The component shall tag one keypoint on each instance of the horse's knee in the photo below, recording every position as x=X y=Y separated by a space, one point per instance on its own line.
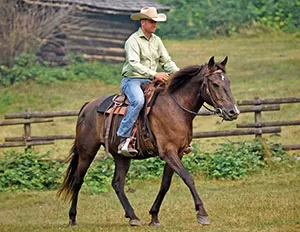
x=165 y=186
x=187 y=178
x=116 y=186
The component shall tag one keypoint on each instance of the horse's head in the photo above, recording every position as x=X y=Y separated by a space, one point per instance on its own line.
x=215 y=90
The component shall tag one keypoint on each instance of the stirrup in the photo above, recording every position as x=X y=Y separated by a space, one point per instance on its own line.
x=188 y=149
x=126 y=149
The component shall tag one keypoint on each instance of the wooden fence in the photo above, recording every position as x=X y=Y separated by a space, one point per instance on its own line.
x=256 y=106
x=258 y=128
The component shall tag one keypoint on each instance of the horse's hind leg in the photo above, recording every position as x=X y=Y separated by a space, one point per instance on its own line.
x=85 y=158
x=165 y=185
x=118 y=183
x=78 y=181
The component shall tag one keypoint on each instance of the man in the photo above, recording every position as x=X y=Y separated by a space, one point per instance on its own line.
x=144 y=52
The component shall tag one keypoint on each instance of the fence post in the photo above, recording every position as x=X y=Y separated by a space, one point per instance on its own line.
x=257 y=116
x=27 y=129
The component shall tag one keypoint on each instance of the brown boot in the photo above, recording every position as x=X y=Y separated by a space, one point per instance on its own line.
x=126 y=148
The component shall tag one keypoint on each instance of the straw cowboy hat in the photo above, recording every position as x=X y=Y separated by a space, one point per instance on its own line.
x=149 y=13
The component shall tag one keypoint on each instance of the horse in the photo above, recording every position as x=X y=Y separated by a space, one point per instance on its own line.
x=170 y=120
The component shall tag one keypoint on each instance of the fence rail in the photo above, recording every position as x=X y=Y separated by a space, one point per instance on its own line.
x=258 y=128
x=223 y=133
x=38 y=138
x=269 y=124
x=259 y=101
x=29 y=121
x=29 y=114
x=256 y=106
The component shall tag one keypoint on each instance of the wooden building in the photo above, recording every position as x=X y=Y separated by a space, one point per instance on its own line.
x=97 y=29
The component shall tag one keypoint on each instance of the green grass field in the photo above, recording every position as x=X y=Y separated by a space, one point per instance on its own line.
x=266 y=66
x=266 y=201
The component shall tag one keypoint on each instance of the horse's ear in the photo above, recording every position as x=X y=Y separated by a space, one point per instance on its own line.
x=224 y=62
x=211 y=62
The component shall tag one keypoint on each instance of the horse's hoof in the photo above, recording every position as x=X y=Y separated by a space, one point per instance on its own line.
x=135 y=222
x=72 y=223
x=203 y=220
x=154 y=224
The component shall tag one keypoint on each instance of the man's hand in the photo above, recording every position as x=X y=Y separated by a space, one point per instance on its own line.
x=161 y=76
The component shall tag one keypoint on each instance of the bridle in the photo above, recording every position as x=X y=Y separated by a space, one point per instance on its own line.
x=212 y=112
x=215 y=111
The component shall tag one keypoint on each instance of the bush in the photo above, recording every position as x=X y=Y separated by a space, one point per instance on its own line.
x=193 y=18
x=233 y=160
x=30 y=171
x=27 y=67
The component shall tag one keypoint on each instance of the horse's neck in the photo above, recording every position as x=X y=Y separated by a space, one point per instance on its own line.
x=190 y=96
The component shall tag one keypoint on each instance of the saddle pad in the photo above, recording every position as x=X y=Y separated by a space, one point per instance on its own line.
x=105 y=104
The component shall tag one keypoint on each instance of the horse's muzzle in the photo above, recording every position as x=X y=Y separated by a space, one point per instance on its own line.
x=229 y=114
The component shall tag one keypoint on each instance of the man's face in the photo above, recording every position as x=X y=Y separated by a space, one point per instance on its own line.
x=149 y=25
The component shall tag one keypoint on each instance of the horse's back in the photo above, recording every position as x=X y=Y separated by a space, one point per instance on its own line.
x=88 y=115
x=93 y=106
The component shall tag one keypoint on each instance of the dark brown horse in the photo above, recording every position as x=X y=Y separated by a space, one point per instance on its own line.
x=171 y=120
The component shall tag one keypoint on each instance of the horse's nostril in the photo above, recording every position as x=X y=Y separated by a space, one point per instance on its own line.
x=232 y=112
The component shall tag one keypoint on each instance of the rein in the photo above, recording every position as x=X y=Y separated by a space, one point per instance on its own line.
x=212 y=112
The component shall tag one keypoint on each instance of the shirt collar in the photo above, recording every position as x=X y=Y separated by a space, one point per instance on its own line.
x=141 y=34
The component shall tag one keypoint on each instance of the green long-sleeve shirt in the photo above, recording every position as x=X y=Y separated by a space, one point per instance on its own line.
x=143 y=56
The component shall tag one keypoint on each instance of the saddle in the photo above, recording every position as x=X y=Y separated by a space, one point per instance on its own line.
x=115 y=107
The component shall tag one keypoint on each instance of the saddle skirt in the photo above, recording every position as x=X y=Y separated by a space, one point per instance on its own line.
x=115 y=107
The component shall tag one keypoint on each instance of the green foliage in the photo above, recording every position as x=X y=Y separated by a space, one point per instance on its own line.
x=233 y=160
x=27 y=67
x=6 y=99
x=99 y=176
x=193 y=18
x=30 y=171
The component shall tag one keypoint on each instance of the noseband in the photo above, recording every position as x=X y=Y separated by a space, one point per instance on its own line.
x=215 y=111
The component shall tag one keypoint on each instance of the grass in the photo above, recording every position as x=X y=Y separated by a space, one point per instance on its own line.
x=266 y=201
x=265 y=66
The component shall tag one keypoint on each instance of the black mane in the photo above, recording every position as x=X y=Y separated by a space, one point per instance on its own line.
x=183 y=76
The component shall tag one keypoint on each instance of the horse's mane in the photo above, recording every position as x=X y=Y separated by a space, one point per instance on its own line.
x=182 y=77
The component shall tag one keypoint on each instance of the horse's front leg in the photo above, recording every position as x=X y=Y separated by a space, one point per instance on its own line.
x=118 y=183
x=173 y=160
x=165 y=185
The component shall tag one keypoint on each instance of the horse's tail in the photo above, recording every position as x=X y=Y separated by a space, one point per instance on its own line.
x=67 y=187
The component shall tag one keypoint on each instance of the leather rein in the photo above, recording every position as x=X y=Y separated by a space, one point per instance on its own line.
x=212 y=112
x=215 y=111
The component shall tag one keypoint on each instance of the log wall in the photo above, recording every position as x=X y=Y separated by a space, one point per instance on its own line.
x=94 y=35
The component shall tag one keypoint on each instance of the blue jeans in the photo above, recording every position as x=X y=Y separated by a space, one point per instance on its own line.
x=131 y=87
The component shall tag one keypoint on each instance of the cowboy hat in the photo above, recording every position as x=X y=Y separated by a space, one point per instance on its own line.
x=149 y=13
